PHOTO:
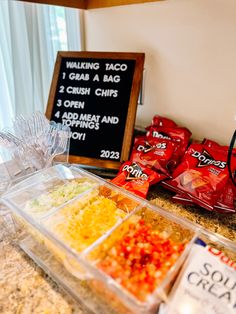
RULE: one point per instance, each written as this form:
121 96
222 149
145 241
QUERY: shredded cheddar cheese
86 223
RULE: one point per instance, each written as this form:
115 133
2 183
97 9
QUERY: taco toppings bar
113 251
116 252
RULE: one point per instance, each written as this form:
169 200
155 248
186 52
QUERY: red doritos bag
226 199
136 178
224 203
162 121
214 145
179 135
153 153
181 198
202 174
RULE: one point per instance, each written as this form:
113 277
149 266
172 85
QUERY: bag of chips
225 203
153 153
136 178
226 200
162 121
183 199
202 175
179 135
212 144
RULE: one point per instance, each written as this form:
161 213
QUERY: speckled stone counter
26 289
223 224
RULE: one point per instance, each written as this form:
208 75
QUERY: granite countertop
26 289
223 224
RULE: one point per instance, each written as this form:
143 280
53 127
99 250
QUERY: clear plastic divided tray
99 241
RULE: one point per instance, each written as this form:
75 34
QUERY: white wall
190 48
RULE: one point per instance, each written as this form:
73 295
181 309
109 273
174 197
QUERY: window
30 36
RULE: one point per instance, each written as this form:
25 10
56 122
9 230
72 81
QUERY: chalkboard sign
96 94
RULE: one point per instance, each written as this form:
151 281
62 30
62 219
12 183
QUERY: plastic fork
59 147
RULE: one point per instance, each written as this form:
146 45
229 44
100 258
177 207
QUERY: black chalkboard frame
132 106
